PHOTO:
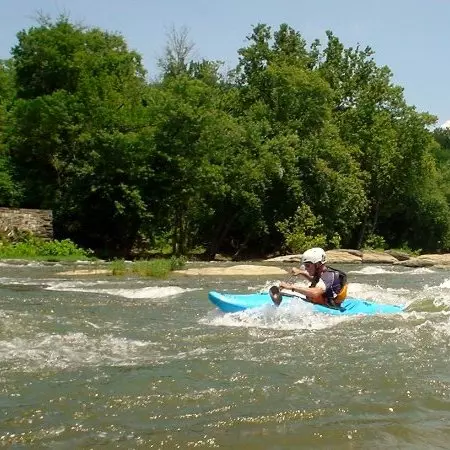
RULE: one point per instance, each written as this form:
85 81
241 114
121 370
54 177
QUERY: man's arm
307 291
302 272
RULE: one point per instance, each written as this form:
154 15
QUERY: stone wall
37 221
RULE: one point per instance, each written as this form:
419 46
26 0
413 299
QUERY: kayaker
328 286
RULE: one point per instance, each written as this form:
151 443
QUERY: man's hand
302 272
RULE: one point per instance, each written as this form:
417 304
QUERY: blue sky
412 37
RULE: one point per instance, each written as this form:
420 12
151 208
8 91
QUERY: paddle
275 293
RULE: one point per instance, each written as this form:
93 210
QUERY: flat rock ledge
243 269
341 256
349 256
86 272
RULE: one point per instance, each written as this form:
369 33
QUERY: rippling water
108 362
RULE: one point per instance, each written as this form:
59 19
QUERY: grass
119 267
29 247
158 268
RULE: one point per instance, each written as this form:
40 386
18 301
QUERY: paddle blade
275 295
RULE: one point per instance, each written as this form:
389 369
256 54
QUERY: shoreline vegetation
301 144
82 262
24 247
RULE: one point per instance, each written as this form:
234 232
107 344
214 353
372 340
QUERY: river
120 362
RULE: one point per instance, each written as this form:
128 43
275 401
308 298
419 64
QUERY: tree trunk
221 234
241 247
362 232
376 215
176 234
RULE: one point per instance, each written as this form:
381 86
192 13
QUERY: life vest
323 299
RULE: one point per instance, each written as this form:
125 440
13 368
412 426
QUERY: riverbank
395 257
341 256
271 266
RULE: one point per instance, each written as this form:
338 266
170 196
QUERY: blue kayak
230 303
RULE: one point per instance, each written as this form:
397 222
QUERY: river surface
118 362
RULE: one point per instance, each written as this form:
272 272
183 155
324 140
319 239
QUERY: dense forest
300 144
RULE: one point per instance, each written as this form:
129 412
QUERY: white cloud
446 124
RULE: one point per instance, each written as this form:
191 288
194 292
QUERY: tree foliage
296 146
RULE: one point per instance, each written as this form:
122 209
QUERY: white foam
444 285
441 300
68 285
371 270
442 328
21 264
431 326
292 316
148 292
306 380
378 270
50 282
151 292
420 271
73 350
379 294
440 294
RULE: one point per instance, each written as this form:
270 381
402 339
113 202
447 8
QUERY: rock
86 272
399 255
287 258
243 269
358 253
350 256
440 260
342 257
334 257
220 257
374 257
415 262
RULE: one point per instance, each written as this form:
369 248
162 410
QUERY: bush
26 245
302 231
375 242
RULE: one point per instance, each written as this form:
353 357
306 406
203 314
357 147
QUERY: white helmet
314 255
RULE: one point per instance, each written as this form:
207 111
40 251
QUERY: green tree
277 73
394 143
199 159
9 191
74 146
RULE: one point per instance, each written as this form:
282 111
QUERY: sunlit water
105 362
